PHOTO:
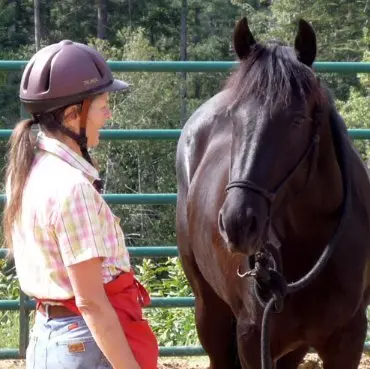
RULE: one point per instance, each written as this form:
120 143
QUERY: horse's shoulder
197 132
204 116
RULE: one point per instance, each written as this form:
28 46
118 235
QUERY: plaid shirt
64 221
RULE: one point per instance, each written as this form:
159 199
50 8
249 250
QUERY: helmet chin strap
81 138
98 184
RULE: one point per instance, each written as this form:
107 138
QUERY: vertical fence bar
23 112
23 324
24 327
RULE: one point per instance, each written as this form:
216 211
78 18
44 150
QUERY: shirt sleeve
79 231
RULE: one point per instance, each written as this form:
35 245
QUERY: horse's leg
216 326
249 344
214 319
292 359
215 322
344 347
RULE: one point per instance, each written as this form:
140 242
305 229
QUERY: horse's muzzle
242 222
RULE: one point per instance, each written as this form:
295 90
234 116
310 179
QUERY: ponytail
19 163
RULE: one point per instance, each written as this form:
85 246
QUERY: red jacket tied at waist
127 296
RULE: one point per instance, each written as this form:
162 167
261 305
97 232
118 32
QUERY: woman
68 247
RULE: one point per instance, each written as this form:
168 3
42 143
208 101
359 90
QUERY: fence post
23 324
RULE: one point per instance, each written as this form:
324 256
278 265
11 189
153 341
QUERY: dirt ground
311 362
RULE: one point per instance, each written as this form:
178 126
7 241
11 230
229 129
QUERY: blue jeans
63 343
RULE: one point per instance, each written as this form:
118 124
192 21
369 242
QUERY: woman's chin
94 143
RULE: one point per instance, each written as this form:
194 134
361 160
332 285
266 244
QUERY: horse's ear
305 43
243 38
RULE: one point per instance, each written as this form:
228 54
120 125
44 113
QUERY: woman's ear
71 114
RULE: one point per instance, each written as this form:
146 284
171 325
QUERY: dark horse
268 161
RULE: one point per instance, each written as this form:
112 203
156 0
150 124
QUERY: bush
175 326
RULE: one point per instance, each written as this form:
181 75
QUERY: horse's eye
297 122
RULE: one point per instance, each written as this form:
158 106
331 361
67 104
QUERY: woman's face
98 114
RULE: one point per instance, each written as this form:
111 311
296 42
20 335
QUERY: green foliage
9 285
9 86
9 329
356 114
172 327
356 109
15 24
9 320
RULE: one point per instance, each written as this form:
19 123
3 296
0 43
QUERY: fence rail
198 66
157 302
167 134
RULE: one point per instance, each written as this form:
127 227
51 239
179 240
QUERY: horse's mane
272 75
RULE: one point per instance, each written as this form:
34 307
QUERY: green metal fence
24 305
198 66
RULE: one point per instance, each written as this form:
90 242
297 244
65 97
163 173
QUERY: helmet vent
98 69
27 77
47 80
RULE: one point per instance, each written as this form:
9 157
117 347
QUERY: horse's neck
326 191
311 216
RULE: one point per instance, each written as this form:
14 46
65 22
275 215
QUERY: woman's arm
100 316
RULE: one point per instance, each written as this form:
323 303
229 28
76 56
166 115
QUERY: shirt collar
61 150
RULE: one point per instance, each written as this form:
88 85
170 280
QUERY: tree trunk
183 57
12 29
130 13
102 18
36 5
47 22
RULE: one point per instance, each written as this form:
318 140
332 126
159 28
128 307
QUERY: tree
16 23
37 21
339 27
356 110
102 18
183 57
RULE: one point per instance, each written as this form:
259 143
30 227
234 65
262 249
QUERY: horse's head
276 99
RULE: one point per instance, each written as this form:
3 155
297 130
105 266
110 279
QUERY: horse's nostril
253 224
252 221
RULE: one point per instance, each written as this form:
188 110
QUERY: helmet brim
117 85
